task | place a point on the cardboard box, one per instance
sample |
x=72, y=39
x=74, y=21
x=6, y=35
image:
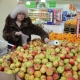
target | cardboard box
x=17, y=78
x=5, y=76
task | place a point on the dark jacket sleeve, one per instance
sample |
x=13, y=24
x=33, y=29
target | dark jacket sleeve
x=37, y=30
x=7, y=34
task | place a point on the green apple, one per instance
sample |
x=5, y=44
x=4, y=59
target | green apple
x=29, y=64
x=1, y=60
x=60, y=69
x=74, y=68
x=66, y=61
x=27, y=76
x=58, y=58
x=44, y=61
x=57, y=50
x=49, y=65
x=41, y=56
x=52, y=58
x=37, y=61
x=23, y=69
x=16, y=70
x=78, y=59
x=9, y=72
x=12, y=66
x=36, y=78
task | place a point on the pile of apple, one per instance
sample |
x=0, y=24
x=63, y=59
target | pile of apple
x=38, y=61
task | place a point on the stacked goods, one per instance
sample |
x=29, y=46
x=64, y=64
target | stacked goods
x=64, y=36
x=70, y=26
x=38, y=61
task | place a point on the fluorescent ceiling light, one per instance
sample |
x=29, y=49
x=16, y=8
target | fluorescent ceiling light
x=17, y=0
x=28, y=2
x=43, y=0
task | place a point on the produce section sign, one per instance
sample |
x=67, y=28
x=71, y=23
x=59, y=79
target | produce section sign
x=30, y=4
x=52, y=3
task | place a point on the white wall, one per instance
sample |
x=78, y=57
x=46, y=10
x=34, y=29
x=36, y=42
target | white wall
x=65, y=7
x=6, y=6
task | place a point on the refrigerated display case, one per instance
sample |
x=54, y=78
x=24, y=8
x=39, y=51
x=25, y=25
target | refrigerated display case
x=38, y=16
x=46, y=16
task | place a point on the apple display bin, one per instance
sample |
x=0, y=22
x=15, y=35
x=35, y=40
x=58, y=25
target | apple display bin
x=5, y=76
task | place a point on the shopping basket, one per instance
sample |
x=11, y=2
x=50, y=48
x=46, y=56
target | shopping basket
x=5, y=50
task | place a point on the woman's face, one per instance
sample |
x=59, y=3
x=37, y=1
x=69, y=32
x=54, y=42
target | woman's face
x=20, y=16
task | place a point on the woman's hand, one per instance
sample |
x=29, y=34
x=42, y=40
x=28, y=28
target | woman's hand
x=18, y=33
x=46, y=40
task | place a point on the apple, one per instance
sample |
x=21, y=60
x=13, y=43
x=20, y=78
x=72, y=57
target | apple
x=1, y=68
x=37, y=66
x=9, y=71
x=25, y=55
x=55, y=63
x=37, y=61
x=13, y=66
x=78, y=59
x=67, y=67
x=41, y=56
x=37, y=74
x=60, y=69
x=16, y=70
x=21, y=74
x=74, y=58
x=1, y=60
x=30, y=70
x=34, y=53
x=26, y=76
x=58, y=58
x=73, y=51
x=23, y=69
x=43, y=77
x=75, y=76
x=36, y=78
x=49, y=71
x=66, y=61
x=49, y=65
x=31, y=77
x=74, y=68
x=22, y=50
x=18, y=64
x=61, y=63
x=68, y=56
x=25, y=47
x=49, y=78
x=55, y=76
x=29, y=64
x=19, y=47
x=71, y=61
x=44, y=61
x=67, y=74
x=57, y=50
x=78, y=66
x=52, y=58
x=43, y=69
x=62, y=56
x=43, y=48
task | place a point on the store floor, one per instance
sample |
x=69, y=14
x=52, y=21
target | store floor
x=53, y=28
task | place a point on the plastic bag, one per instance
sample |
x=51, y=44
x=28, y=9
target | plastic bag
x=24, y=38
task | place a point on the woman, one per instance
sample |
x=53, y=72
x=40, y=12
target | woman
x=18, y=23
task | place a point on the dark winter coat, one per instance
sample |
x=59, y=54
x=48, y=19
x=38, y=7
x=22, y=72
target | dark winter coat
x=27, y=27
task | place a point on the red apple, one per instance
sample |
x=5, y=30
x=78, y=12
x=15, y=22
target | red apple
x=68, y=56
x=30, y=70
x=49, y=71
x=67, y=67
x=21, y=74
x=71, y=61
x=37, y=73
x=55, y=76
x=62, y=56
x=78, y=66
x=49, y=78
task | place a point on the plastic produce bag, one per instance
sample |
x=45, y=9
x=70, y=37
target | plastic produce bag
x=54, y=42
x=24, y=38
